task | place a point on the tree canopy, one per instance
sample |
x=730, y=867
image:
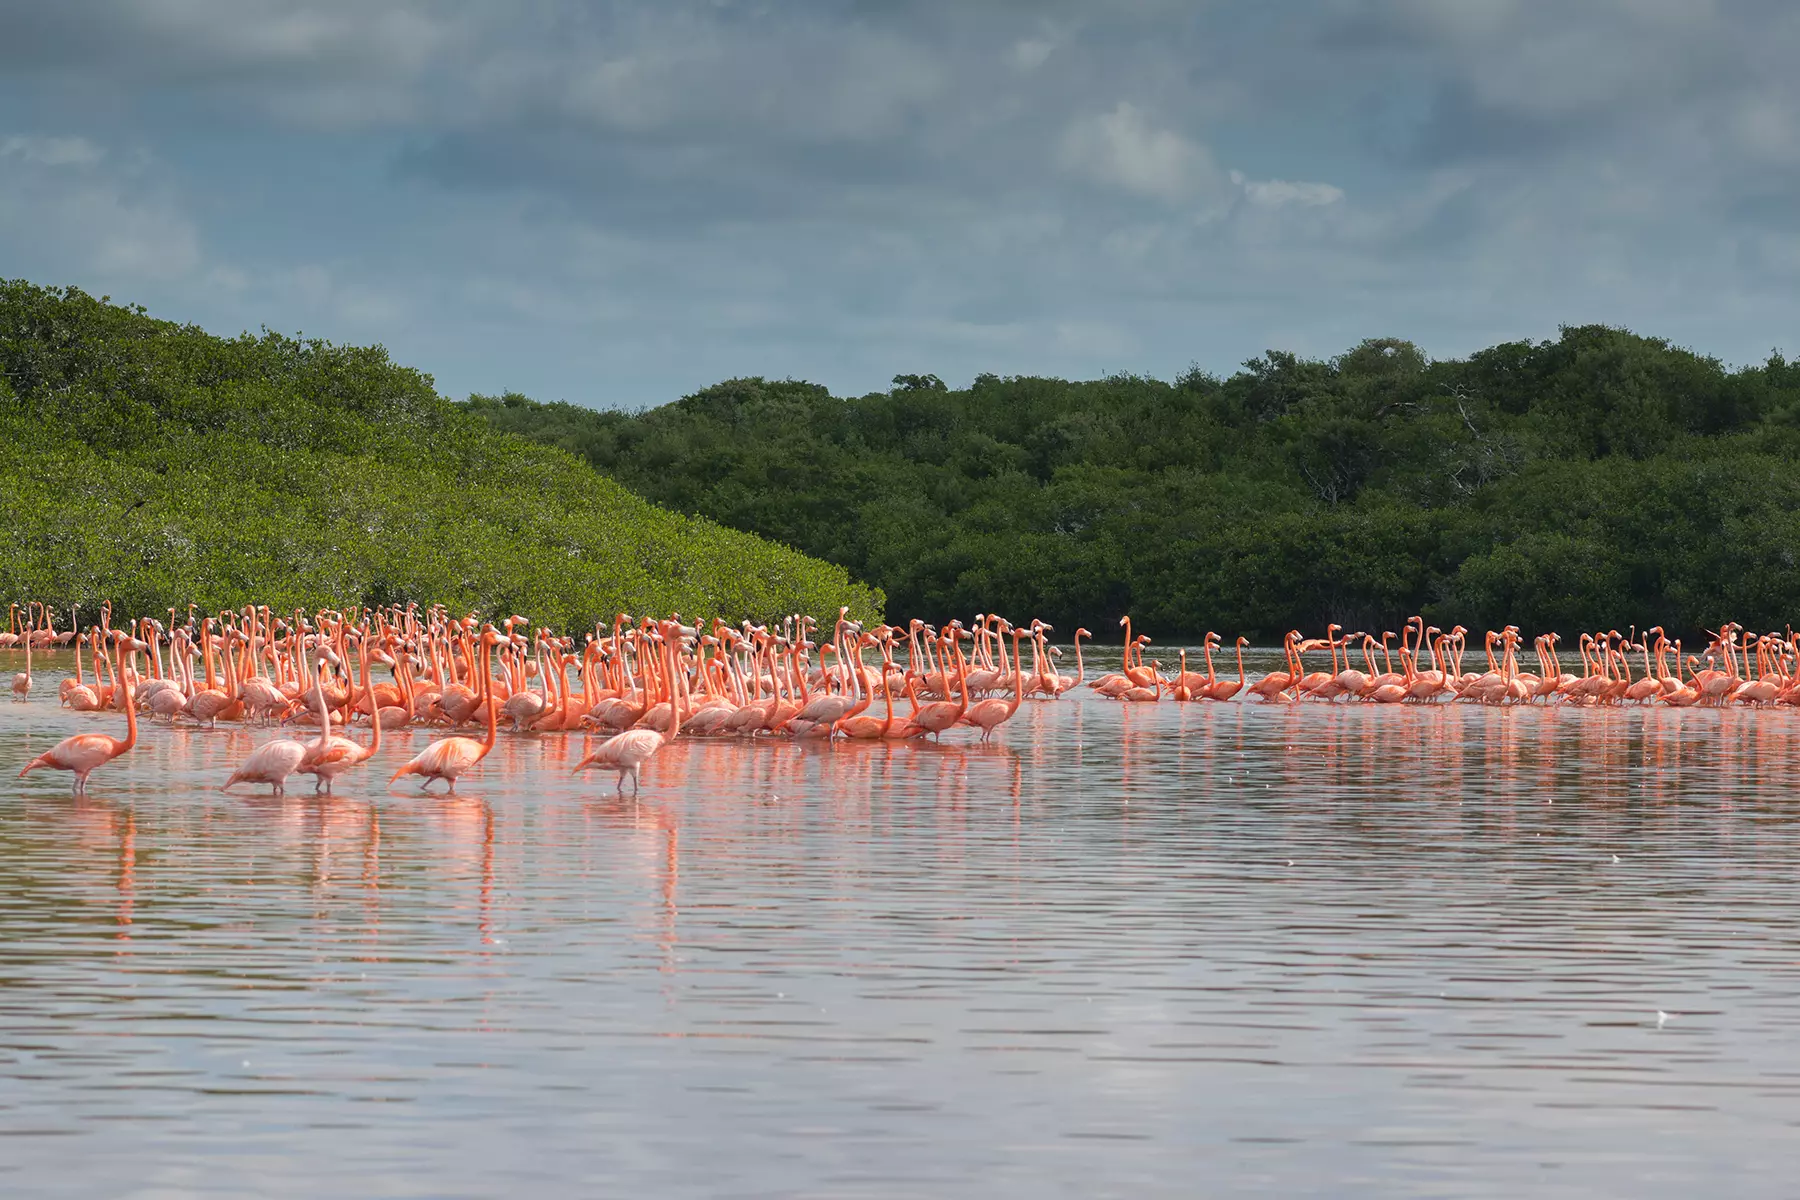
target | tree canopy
x=153, y=465
x=1588, y=481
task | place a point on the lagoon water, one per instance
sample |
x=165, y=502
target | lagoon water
x=1125, y=950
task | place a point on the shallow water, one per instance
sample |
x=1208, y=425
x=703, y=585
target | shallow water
x=1125, y=950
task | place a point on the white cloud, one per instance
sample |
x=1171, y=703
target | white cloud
x=1122, y=149
x=1277, y=193
x=335, y=295
x=1030, y=54
x=63, y=202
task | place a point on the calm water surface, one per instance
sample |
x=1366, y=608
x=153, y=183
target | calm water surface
x=1125, y=950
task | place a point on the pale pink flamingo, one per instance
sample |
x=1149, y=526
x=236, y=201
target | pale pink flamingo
x=85, y=752
x=627, y=752
x=332, y=755
x=21, y=681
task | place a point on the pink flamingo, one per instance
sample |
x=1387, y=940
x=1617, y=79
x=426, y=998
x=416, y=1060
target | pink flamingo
x=1275, y=683
x=449, y=757
x=1225, y=689
x=333, y=755
x=627, y=752
x=988, y=715
x=940, y=715
x=21, y=681
x=86, y=751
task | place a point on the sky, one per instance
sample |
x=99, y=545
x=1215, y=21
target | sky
x=617, y=204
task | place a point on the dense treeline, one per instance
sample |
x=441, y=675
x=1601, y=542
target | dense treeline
x=152, y=464
x=1598, y=479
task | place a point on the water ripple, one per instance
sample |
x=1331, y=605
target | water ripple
x=1163, y=950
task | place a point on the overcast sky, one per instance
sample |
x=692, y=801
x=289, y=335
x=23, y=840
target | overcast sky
x=619, y=203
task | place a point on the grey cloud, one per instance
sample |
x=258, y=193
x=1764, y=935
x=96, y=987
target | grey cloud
x=206, y=41
x=848, y=183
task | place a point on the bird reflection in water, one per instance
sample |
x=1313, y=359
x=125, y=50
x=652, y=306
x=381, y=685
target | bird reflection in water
x=467, y=821
x=127, y=873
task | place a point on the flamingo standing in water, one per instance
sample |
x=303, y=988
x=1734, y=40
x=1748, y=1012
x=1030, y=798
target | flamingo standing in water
x=1062, y=683
x=988, y=715
x=270, y=763
x=449, y=757
x=1225, y=689
x=1276, y=683
x=86, y=751
x=21, y=681
x=940, y=715
x=332, y=754
x=627, y=752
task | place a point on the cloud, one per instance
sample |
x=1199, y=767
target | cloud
x=51, y=151
x=1030, y=53
x=64, y=200
x=626, y=199
x=1275, y=193
x=1123, y=149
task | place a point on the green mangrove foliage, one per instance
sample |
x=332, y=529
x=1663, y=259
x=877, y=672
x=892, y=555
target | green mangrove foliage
x=1581, y=483
x=152, y=464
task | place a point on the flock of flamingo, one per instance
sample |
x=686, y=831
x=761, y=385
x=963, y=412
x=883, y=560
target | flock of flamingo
x=646, y=682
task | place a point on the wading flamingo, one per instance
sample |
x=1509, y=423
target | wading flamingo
x=449, y=757
x=627, y=752
x=988, y=715
x=21, y=681
x=86, y=751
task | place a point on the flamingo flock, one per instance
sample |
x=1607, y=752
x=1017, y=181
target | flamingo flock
x=1728, y=677
x=643, y=683
x=640, y=684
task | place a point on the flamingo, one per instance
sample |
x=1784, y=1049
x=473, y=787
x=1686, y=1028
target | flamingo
x=21, y=681
x=332, y=755
x=940, y=715
x=988, y=715
x=270, y=763
x=1276, y=683
x=1062, y=683
x=1225, y=689
x=865, y=728
x=627, y=752
x=449, y=757
x=85, y=752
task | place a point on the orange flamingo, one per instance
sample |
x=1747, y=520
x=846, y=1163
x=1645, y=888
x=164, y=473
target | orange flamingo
x=1225, y=689
x=940, y=715
x=988, y=715
x=448, y=758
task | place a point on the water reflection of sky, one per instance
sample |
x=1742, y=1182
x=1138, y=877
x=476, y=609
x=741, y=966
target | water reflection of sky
x=1160, y=949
